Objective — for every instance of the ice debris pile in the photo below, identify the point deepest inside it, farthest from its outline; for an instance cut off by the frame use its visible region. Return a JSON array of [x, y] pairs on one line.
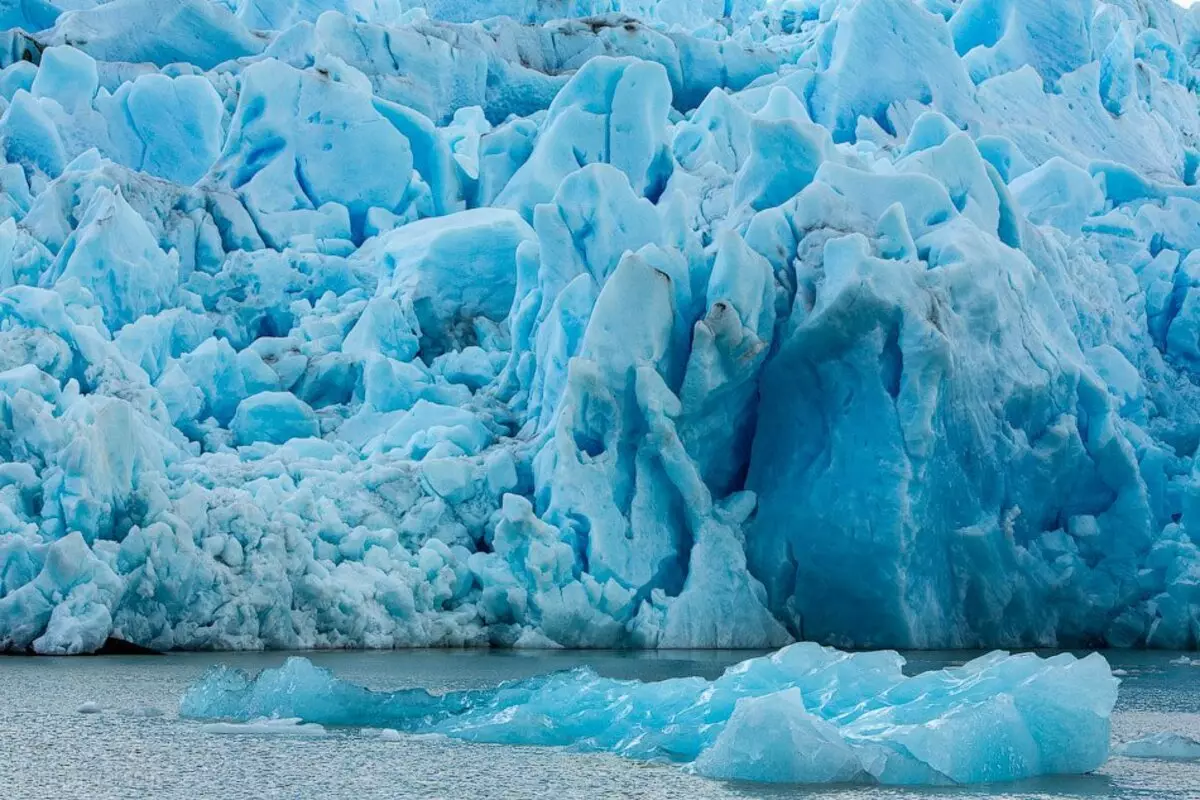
[[805, 714], [379, 323]]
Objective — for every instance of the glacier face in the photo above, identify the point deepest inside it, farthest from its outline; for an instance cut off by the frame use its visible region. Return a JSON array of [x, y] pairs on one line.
[[381, 323], [805, 714]]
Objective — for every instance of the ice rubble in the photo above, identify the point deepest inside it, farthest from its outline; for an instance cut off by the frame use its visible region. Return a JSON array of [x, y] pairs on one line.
[[805, 714], [378, 323]]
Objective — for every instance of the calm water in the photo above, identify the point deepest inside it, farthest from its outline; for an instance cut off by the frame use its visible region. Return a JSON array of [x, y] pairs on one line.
[[49, 750]]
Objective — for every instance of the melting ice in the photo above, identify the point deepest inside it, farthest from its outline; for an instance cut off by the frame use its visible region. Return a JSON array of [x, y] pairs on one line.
[[805, 714], [1166, 745]]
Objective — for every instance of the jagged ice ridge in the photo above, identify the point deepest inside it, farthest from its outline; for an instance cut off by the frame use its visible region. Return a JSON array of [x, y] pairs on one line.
[[382, 323], [805, 714]]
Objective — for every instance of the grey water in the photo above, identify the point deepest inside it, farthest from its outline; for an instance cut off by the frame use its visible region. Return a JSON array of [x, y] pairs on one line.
[[138, 747]]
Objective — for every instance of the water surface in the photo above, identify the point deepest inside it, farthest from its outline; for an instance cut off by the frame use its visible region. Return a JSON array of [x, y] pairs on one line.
[[49, 750]]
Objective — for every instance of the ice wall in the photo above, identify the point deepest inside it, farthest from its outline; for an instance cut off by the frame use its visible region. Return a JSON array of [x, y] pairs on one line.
[[381, 323]]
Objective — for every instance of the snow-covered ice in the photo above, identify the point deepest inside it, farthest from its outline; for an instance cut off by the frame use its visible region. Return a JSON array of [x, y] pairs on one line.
[[265, 727], [651, 323], [1169, 746], [805, 714]]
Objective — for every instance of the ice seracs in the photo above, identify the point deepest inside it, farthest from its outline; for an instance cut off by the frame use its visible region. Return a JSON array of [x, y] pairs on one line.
[[364, 323]]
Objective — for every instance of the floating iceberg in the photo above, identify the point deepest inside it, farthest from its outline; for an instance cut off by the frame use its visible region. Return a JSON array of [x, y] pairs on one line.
[[1169, 746], [273, 727], [265, 727], [602, 323], [806, 714]]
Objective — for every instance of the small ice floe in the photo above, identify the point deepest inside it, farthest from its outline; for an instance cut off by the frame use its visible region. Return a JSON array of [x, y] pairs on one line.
[[1184, 661], [90, 707], [293, 726], [1170, 746], [1120, 673], [393, 735], [144, 712]]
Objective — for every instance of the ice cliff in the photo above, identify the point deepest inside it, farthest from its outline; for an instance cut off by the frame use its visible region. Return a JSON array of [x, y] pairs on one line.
[[380, 323], [804, 714]]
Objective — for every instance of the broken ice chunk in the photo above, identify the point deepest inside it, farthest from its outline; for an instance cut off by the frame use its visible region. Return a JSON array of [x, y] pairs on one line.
[[1168, 746], [806, 714]]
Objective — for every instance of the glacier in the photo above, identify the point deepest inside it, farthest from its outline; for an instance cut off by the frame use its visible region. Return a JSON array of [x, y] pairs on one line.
[[600, 323], [804, 714]]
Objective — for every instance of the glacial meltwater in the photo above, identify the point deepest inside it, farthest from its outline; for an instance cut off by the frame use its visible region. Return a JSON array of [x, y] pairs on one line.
[[109, 727]]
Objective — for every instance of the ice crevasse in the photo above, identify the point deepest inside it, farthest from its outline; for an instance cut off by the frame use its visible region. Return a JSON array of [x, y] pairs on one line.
[[383, 323], [805, 714]]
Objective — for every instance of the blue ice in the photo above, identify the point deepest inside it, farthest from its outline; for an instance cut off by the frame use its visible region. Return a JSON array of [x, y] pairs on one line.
[[805, 714], [608, 323]]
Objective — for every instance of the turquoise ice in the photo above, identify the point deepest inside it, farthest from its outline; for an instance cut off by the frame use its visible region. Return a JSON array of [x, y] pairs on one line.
[[603, 323], [805, 714]]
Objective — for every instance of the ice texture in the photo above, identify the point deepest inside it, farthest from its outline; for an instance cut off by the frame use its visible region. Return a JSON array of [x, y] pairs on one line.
[[601, 323], [1168, 746], [805, 714], [265, 727]]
